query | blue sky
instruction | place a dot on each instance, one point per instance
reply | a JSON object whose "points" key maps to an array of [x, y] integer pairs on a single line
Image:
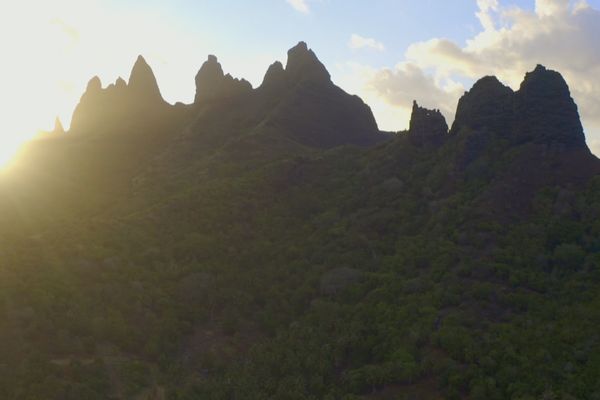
{"points": [[272, 26], [387, 51]]}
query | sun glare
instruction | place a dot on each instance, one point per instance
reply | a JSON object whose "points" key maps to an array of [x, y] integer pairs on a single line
{"points": [[9, 148]]}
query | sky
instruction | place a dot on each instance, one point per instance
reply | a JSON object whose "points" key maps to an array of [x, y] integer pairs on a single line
{"points": [[389, 52]]}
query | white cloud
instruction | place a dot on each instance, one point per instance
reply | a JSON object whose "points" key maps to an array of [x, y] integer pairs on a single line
{"points": [[548, 8], [486, 7], [358, 42], [390, 91], [299, 5], [560, 34], [407, 82]]}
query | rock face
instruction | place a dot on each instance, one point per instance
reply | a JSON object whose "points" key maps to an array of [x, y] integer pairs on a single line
{"points": [[275, 76], [487, 106], [142, 82], [306, 106], [58, 126], [545, 112], [120, 103], [484, 112], [212, 84], [120, 83], [299, 103], [427, 127], [523, 141], [303, 64], [541, 111], [296, 105]]}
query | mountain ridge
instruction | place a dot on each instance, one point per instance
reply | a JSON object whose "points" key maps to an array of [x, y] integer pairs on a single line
{"points": [[272, 243]]}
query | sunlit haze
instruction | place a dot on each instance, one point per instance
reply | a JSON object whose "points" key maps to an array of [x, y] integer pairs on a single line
{"points": [[387, 51]]}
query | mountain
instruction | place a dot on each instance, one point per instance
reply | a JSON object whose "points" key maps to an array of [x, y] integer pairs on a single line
{"points": [[212, 84], [546, 113], [542, 110], [533, 135], [488, 105], [271, 242], [299, 101], [119, 104], [302, 101], [427, 126], [142, 83]]}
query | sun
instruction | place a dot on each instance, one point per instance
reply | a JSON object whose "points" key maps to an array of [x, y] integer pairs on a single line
{"points": [[8, 151], [9, 148]]}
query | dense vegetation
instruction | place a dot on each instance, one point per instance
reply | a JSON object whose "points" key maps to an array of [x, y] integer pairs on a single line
{"points": [[306, 278]]}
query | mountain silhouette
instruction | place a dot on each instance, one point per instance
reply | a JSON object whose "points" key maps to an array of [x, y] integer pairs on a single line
{"points": [[535, 133], [272, 242], [120, 104], [545, 111], [487, 106], [298, 108], [541, 111], [213, 84], [427, 126], [302, 101], [142, 82]]}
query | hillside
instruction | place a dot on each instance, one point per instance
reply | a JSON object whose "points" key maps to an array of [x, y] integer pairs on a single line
{"points": [[271, 242]]}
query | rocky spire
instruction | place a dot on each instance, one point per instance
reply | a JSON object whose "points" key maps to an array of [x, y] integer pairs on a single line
{"points": [[275, 75], [143, 82], [58, 126], [302, 63], [545, 111], [100, 108], [488, 106], [301, 102], [427, 126], [213, 84], [94, 85], [120, 83]]}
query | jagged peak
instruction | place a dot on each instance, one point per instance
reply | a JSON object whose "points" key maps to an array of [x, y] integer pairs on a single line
{"points": [[546, 112], [274, 75], [548, 76], [212, 83], [427, 126], [211, 67], [300, 47], [209, 73], [94, 85], [302, 63], [140, 68], [142, 79], [58, 126], [489, 83], [416, 109], [486, 106], [120, 83], [277, 66]]}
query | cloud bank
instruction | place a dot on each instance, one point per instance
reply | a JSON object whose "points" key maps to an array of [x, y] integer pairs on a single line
{"points": [[560, 34], [358, 42]]}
